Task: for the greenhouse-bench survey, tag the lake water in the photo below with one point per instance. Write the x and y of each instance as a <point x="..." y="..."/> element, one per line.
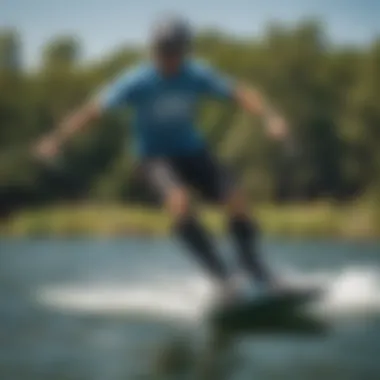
<point x="112" y="309"/>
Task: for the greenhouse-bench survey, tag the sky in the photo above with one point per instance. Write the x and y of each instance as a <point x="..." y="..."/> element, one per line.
<point x="103" y="25"/>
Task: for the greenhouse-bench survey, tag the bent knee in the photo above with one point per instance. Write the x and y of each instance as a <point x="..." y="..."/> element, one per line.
<point x="237" y="204"/>
<point x="178" y="202"/>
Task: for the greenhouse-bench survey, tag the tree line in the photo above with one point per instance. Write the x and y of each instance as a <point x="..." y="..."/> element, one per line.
<point x="329" y="93"/>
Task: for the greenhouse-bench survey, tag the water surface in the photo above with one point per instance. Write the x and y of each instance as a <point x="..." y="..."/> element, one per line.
<point x="105" y="309"/>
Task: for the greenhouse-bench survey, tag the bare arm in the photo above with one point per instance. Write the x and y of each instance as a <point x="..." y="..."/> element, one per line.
<point x="71" y="125"/>
<point x="253" y="102"/>
<point x="77" y="121"/>
<point x="249" y="99"/>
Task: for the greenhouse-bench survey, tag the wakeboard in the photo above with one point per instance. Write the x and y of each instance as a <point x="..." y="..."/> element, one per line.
<point x="269" y="312"/>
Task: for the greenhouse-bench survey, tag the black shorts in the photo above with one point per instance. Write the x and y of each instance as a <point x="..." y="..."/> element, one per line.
<point x="200" y="172"/>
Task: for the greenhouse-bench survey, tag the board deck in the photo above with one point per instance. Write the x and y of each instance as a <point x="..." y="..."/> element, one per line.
<point x="267" y="312"/>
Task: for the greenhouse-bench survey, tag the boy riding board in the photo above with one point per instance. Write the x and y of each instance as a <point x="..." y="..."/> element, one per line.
<point x="163" y="94"/>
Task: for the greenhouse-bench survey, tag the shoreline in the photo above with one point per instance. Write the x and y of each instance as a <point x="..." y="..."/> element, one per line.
<point x="318" y="220"/>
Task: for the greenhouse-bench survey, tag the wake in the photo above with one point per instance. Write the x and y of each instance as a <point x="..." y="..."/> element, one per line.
<point x="352" y="291"/>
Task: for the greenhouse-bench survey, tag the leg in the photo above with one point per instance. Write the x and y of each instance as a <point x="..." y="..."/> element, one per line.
<point x="216" y="184"/>
<point x="186" y="226"/>
<point x="246" y="234"/>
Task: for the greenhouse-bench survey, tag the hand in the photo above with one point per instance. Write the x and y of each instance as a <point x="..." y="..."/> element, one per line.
<point x="47" y="148"/>
<point x="277" y="127"/>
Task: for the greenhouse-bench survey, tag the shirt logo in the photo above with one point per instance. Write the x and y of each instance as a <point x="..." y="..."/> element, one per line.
<point x="173" y="106"/>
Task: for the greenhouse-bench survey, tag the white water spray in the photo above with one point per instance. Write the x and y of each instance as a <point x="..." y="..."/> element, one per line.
<point x="351" y="291"/>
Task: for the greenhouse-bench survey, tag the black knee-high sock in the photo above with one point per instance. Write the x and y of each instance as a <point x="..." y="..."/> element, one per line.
<point x="196" y="238"/>
<point x="245" y="234"/>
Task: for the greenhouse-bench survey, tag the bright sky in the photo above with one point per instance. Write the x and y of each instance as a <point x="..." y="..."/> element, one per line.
<point x="104" y="24"/>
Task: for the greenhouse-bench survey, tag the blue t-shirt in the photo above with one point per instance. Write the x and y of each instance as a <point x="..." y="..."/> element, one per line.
<point x="164" y="108"/>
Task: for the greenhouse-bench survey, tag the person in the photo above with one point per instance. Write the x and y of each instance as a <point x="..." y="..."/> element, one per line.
<point x="163" y="93"/>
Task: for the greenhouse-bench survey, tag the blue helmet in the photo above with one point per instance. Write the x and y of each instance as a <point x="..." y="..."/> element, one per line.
<point x="171" y="35"/>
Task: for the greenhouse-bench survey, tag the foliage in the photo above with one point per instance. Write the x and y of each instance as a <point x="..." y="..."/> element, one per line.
<point x="330" y="94"/>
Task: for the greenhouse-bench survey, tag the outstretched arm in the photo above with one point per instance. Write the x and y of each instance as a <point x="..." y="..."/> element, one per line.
<point x="120" y="92"/>
<point x="50" y="145"/>
<point x="253" y="102"/>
